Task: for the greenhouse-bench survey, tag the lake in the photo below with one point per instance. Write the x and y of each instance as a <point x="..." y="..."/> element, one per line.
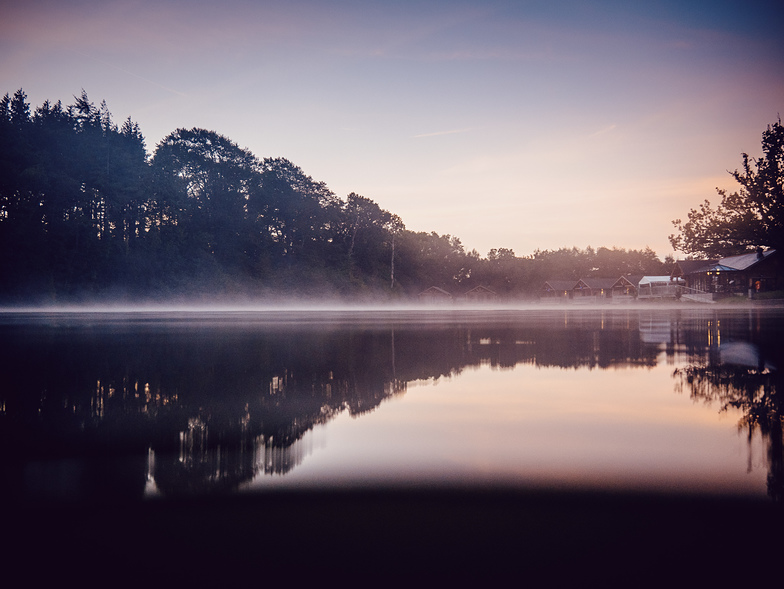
<point x="167" y="408"/>
<point x="150" y="404"/>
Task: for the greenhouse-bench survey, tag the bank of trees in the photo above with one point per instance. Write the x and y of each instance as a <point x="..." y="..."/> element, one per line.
<point x="86" y="211"/>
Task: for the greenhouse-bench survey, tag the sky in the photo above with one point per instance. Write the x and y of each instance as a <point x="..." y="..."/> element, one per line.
<point x="528" y="125"/>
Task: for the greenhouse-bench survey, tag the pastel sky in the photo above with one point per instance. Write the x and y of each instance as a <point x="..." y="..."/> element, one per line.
<point x="518" y="124"/>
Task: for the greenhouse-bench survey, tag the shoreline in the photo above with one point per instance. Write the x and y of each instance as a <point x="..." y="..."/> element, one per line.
<point x="263" y="307"/>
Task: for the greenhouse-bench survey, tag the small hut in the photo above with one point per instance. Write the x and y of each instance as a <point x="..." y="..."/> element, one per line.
<point x="480" y="294"/>
<point x="594" y="287"/>
<point x="435" y="295"/>
<point x="558" y="289"/>
<point x="626" y="286"/>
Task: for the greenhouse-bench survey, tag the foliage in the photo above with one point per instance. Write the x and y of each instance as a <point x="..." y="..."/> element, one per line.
<point x="744" y="220"/>
<point x="574" y="263"/>
<point x="755" y="392"/>
<point x="71" y="195"/>
<point x="86" y="212"/>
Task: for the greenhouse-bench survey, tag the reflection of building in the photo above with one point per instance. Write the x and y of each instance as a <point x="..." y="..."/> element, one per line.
<point x="656" y="330"/>
<point x="208" y="409"/>
<point x="735" y="353"/>
<point x="736" y="375"/>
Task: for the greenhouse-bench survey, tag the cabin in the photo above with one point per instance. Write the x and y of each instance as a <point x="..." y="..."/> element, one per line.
<point x="480" y="294"/>
<point x="558" y="289"/>
<point x="435" y="295"/>
<point x="745" y="274"/>
<point x="626" y="286"/>
<point x="690" y="271"/>
<point x="597" y="288"/>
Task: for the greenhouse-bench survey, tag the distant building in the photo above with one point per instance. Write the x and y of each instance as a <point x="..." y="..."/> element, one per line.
<point x="480" y="294"/>
<point x="594" y="287"/>
<point x="435" y="295"/>
<point x="618" y="289"/>
<point x="558" y="289"/>
<point x="742" y="275"/>
<point x="626" y="286"/>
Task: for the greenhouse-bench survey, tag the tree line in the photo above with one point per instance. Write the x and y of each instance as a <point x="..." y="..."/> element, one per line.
<point x="87" y="212"/>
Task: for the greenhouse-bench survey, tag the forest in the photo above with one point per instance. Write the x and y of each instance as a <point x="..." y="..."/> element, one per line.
<point x="87" y="213"/>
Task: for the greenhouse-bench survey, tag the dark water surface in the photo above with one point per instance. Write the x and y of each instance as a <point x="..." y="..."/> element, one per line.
<point x="186" y="404"/>
<point x="102" y="409"/>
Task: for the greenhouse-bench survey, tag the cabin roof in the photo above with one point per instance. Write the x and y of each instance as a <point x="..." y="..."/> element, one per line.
<point x="630" y="279"/>
<point x="694" y="266"/>
<point x="480" y="289"/>
<point x="560" y="284"/>
<point x="435" y="290"/>
<point x="728" y="264"/>
<point x="745" y="261"/>
<point x="606" y="283"/>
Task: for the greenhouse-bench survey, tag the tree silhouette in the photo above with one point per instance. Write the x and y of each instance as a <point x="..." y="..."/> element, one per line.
<point x="85" y="212"/>
<point x="744" y="220"/>
<point x="756" y="391"/>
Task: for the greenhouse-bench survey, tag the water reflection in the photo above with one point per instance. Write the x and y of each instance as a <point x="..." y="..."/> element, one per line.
<point x="739" y="371"/>
<point x="108" y="406"/>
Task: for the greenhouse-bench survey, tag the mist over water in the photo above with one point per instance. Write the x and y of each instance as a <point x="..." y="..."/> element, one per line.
<point x="296" y="304"/>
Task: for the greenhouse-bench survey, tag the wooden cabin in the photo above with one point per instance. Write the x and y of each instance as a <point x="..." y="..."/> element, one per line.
<point x="745" y="274"/>
<point x="626" y="286"/>
<point x="435" y="295"/>
<point x="597" y="288"/>
<point x="558" y="289"/>
<point x="480" y="294"/>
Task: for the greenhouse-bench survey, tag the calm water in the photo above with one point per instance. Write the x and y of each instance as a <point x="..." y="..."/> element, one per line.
<point x="181" y="404"/>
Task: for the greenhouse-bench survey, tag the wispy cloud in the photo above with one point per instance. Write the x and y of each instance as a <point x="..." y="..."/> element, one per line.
<point x="437" y="133"/>
<point x="519" y="54"/>
<point x="604" y="130"/>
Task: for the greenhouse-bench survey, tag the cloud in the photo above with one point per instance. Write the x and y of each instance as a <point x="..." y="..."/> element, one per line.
<point x="437" y="133"/>
<point x="604" y="130"/>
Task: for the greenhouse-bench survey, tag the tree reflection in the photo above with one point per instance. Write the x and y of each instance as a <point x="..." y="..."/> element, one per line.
<point x="739" y="375"/>
<point x="219" y="402"/>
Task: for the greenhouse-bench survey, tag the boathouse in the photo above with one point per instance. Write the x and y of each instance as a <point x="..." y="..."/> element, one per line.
<point x="480" y="294"/>
<point x="745" y="274"/>
<point x="558" y="289"/>
<point x="435" y="294"/>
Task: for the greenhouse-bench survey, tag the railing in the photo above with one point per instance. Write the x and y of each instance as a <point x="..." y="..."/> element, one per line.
<point x="659" y="291"/>
<point x="696" y="295"/>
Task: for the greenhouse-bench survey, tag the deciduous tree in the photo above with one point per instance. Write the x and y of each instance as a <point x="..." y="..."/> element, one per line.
<point x="751" y="217"/>
<point x="212" y="185"/>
